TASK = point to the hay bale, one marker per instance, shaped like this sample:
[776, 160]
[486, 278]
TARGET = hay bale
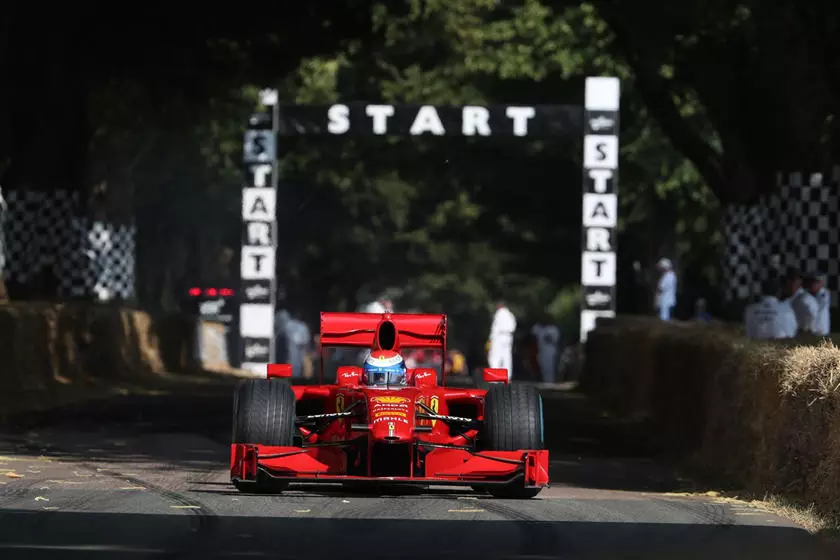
[764, 415]
[49, 348]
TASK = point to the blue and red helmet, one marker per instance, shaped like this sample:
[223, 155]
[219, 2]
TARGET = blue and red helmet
[384, 368]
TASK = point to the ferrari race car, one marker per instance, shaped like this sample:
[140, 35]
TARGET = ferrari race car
[420, 432]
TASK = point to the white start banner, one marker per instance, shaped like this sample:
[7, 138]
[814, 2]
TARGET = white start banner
[598, 119]
[258, 265]
[598, 263]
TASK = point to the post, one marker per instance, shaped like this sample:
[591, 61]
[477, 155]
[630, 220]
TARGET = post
[259, 238]
[600, 201]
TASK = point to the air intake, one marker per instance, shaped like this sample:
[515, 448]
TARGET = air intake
[386, 336]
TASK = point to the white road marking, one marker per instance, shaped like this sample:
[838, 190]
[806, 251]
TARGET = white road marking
[466, 510]
[185, 507]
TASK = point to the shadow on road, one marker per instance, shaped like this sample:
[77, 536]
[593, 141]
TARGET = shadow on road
[88, 535]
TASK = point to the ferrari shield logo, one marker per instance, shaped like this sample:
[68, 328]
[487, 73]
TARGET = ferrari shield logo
[434, 404]
[420, 410]
[391, 429]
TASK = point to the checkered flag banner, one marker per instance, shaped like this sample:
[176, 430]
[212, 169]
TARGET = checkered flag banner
[799, 226]
[43, 231]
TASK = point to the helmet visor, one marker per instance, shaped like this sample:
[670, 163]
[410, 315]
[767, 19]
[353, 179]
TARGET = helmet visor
[383, 376]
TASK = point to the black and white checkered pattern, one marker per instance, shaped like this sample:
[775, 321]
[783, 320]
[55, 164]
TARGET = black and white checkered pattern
[48, 232]
[797, 227]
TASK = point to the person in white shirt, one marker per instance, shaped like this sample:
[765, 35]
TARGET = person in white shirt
[548, 340]
[792, 293]
[298, 339]
[822, 320]
[500, 354]
[666, 289]
[763, 319]
[790, 326]
[812, 306]
[381, 305]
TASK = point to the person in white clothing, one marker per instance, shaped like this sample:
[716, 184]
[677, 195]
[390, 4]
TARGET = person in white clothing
[763, 319]
[298, 338]
[812, 306]
[822, 321]
[788, 318]
[792, 293]
[381, 305]
[548, 340]
[500, 354]
[666, 289]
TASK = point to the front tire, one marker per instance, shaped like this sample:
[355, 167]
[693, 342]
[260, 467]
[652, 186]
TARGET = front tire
[513, 420]
[264, 414]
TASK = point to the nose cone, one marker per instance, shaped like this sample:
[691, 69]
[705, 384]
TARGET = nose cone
[391, 417]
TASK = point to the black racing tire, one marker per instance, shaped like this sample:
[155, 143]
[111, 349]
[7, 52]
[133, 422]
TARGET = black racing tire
[513, 420]
[264, 414]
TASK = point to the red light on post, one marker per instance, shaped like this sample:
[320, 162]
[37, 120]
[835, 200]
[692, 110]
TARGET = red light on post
[194, 292]
[226, 292]
[211, 292]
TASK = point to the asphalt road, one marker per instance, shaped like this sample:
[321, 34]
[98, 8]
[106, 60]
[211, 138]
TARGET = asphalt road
[146, 477]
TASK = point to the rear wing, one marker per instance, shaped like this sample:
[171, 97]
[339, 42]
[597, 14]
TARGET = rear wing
[414, 330]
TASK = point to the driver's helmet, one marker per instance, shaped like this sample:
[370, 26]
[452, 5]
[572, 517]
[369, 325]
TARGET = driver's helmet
[384, 368]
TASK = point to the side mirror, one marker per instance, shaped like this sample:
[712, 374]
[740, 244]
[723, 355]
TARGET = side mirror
[282, 371]
[496, 375]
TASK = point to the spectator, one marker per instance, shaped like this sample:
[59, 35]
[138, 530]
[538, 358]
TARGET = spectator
[548, 341]
[299, 339]
[811, 306]
[763, 319]
[377, 306]
[822, 321]
[500, 352]
[456, 363]
[790, 285]
[792, 294]
[666, 289]
[700, 312]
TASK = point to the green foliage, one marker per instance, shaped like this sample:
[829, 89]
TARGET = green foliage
[451, 224]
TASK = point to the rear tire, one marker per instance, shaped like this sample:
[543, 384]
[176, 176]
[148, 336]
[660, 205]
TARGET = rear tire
[513, 420]
[264, 414]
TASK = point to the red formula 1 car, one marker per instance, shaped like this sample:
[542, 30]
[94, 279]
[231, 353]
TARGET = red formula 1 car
[421, 433]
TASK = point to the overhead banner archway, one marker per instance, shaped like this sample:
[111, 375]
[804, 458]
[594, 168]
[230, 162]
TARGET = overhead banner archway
[597, 120]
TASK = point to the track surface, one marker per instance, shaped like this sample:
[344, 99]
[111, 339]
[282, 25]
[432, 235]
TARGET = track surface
[146, 477]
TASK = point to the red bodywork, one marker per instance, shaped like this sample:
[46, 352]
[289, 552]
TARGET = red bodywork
[351, 432]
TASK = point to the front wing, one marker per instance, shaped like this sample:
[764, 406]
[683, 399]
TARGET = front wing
[443, 466]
